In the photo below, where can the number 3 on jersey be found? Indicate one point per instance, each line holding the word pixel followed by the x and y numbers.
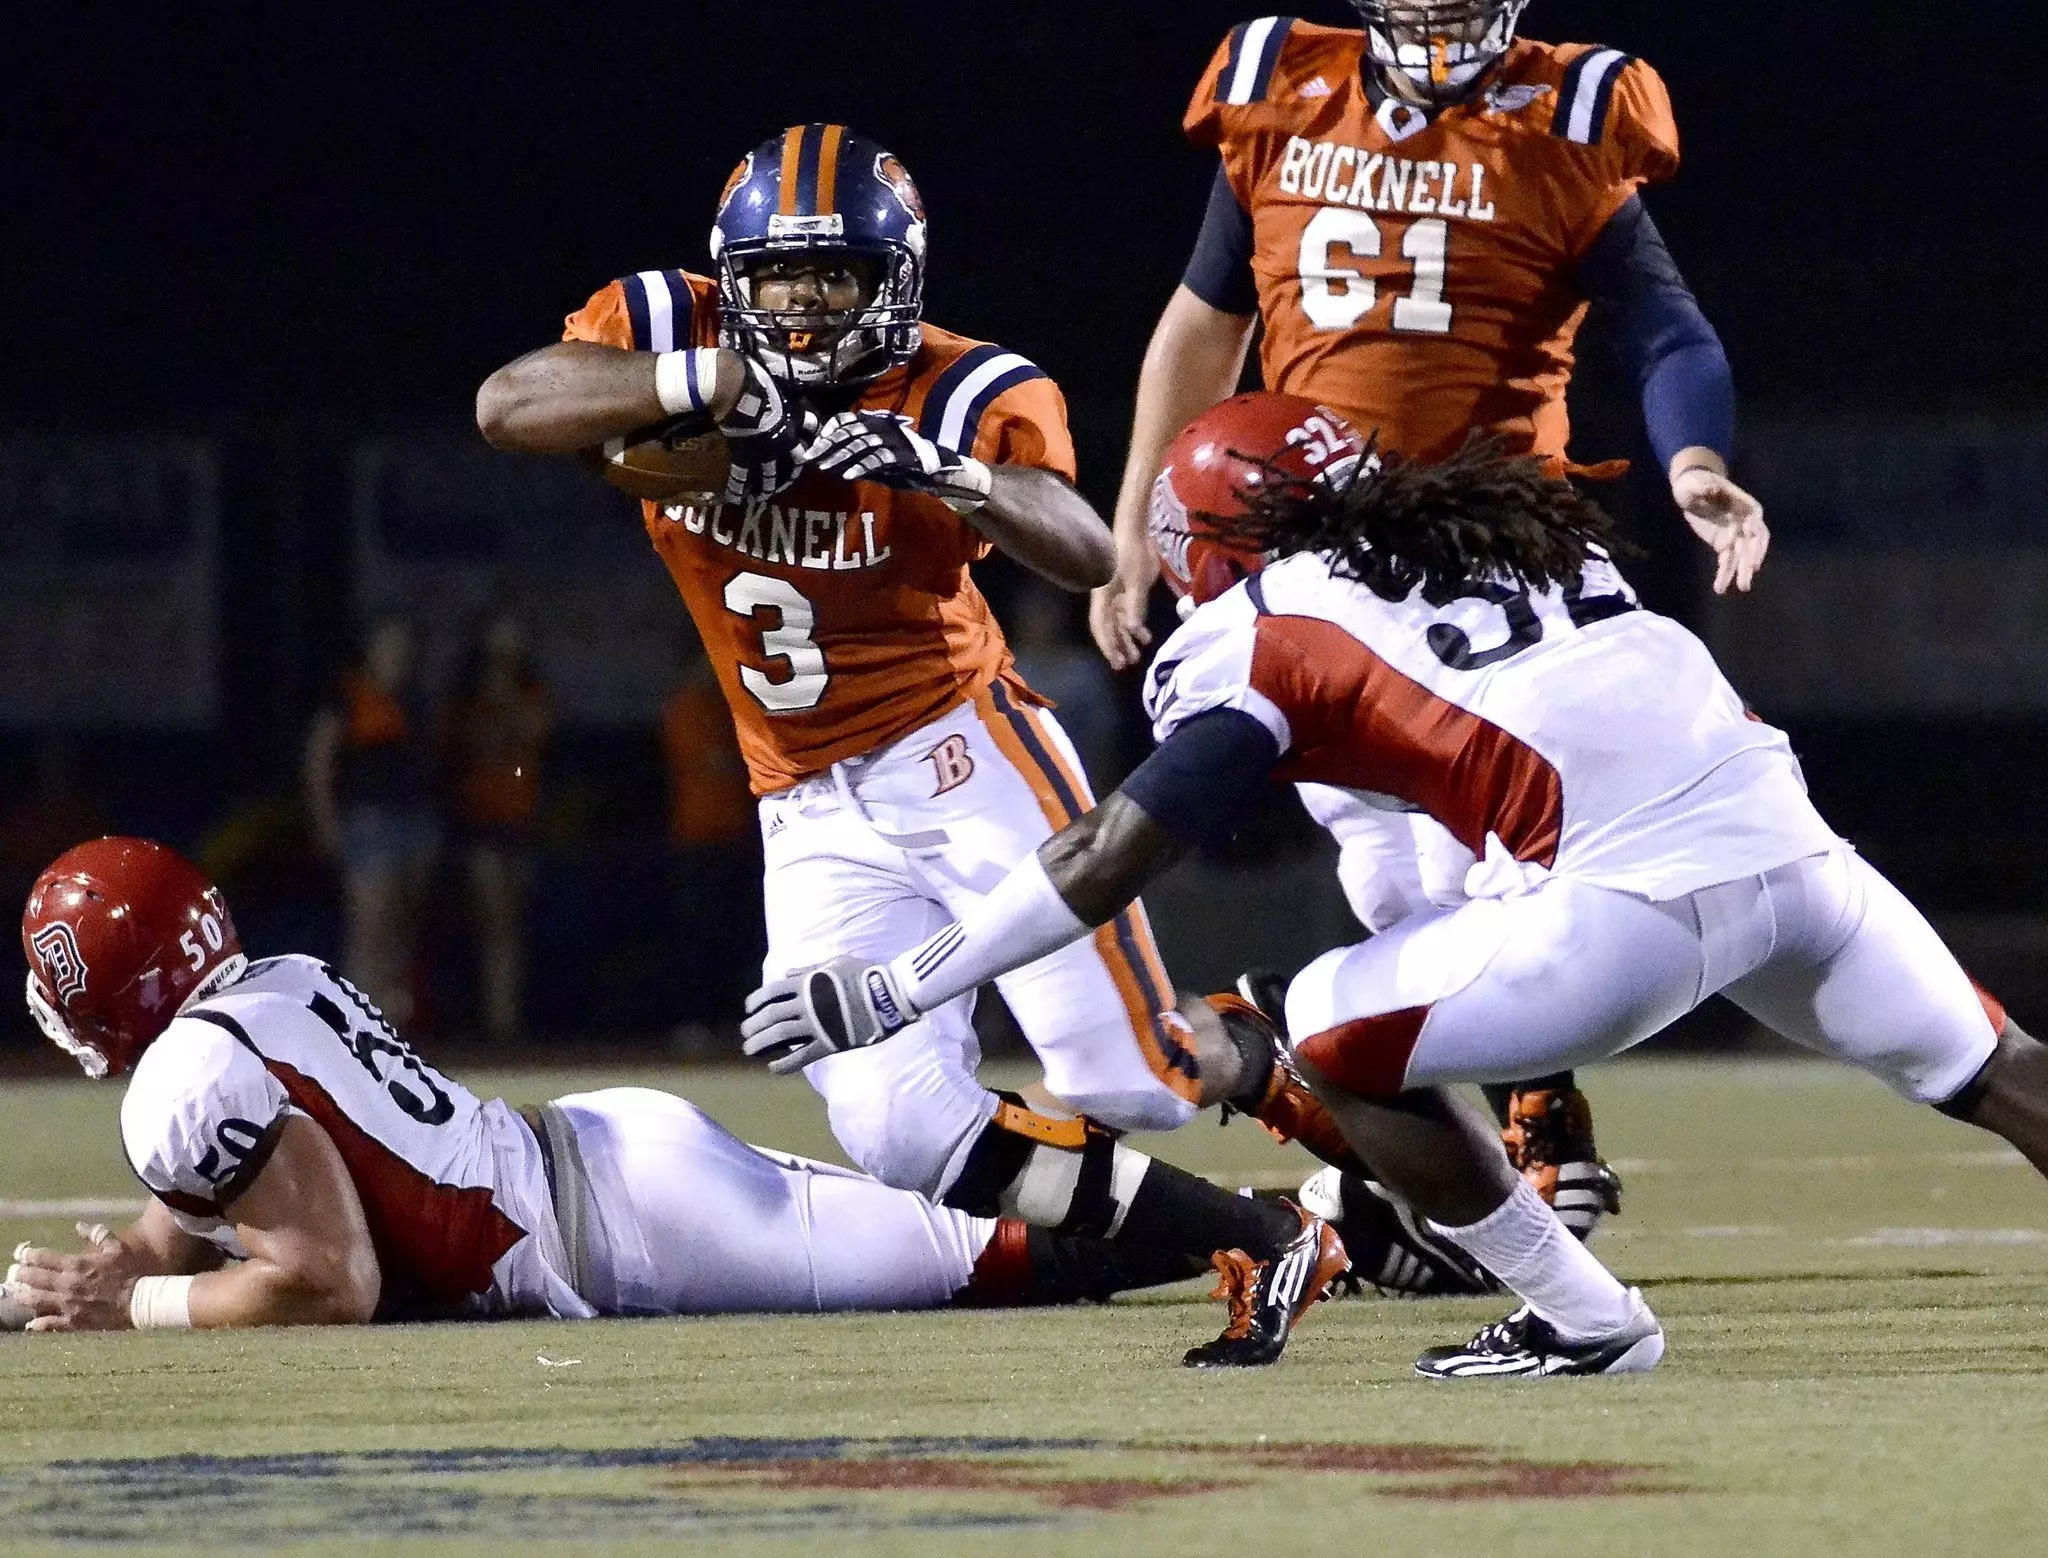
pixel 787 638
pixel 1426 246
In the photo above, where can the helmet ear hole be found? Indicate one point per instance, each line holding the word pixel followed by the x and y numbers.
pixel 1218 572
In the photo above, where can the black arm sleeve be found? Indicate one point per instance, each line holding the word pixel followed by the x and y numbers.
pixel 1220 270
pixel 1205 776
pixel 1670 349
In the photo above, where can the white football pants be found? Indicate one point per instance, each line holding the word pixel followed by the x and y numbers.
pixel 873 857
pixel 1824 951
pixel 688 1219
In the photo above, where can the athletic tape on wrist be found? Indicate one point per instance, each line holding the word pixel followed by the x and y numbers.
pixel 1023 920
pixel 686 381
pixel 161 1304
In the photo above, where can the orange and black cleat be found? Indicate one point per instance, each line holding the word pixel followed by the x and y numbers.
pixel 1267 1298
pixel 1549 1138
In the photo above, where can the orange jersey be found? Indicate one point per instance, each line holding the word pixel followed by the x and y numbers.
pixel 1415 271
pixel 840 615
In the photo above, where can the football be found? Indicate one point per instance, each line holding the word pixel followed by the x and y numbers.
pixel 672 462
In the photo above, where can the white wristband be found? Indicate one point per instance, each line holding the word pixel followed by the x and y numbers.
pixel 161 1304
pixel 1023 920
pixel 970 487
pixel 686 381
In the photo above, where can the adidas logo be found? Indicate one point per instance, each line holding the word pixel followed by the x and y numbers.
pixel 1290 1277
pixel 1316 88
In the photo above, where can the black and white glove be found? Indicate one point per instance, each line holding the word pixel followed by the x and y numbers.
pixel 837 1006
pixel 882 447
pixel 765 434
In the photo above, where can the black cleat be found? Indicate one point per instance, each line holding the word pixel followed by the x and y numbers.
pixel 1391 1248
pixel 1268 1298
pixel 1524 1346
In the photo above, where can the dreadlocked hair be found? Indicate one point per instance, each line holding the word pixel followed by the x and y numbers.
pixel 1480 515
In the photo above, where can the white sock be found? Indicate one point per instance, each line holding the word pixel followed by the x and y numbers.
pixel 1524 1245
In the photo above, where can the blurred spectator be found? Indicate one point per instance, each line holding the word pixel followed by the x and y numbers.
pixel 1053 654
pixel 493 734
pixel 52 814
pixel 714 854
pixel 369 796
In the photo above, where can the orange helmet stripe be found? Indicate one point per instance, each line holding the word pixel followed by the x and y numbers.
pixel 828 170
pixel 792 154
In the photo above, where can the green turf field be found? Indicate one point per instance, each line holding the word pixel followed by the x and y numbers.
pixel 1855 1294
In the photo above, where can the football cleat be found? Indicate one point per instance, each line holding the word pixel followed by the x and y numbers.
pixel 1285 1106
pixel 1267 1298
pixel 1549 1139
pixel 1525 1345
pixel 1391 1248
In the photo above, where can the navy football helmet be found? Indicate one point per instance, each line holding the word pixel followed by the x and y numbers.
pixel 820 189
pixel 1442 50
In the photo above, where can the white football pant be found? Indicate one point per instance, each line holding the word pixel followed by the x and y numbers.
pixel 688 1219
pixel 1824 951
pixel 873 857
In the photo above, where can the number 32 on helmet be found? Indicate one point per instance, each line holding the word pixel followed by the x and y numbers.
pixel 1219 463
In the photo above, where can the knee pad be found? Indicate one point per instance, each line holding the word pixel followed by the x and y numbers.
pixel 1067 1175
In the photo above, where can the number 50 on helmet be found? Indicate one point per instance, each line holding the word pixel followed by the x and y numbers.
pixel 1222 461
pixel 120 934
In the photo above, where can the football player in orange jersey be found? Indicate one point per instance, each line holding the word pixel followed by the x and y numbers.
pixel 903 767
pixel 1419 215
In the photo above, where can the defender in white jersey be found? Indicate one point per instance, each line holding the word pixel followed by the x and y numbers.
pixel 1451 639
pixel 306 1166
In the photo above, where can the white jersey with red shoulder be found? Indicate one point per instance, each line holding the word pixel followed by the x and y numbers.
pixel 1563 730
pixel 454 1189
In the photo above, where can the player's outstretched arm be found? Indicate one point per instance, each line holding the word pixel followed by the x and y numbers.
pixel 1687 385
pixel 573 394
pixel 1203 777
pixel 310 1258
pixel 1195 359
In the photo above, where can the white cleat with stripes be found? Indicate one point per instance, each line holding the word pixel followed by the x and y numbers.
pixel 1526 1346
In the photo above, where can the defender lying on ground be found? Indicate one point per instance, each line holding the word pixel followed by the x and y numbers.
pixel 307 1168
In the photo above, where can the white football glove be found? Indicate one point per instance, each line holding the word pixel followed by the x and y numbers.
pixel 887 449
pixel 837 1006
pixel 766 433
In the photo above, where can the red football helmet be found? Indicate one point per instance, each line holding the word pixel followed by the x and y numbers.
pixel 1222 459
pixel 119 934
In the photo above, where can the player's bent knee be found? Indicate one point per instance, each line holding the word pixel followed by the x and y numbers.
pixel 1368 1056
pixel 902 1150
pixel 1068 1175
pixel 1150 1109
pixel 1312 994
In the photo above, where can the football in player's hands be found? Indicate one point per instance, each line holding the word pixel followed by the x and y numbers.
pixel 682 460
pixel 767 432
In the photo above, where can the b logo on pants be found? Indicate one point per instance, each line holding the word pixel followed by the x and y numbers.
pixel 952 763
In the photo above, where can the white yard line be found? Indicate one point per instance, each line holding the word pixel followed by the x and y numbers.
pixel 88 1206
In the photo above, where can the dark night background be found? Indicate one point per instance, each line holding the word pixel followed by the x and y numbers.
pixel 281 228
